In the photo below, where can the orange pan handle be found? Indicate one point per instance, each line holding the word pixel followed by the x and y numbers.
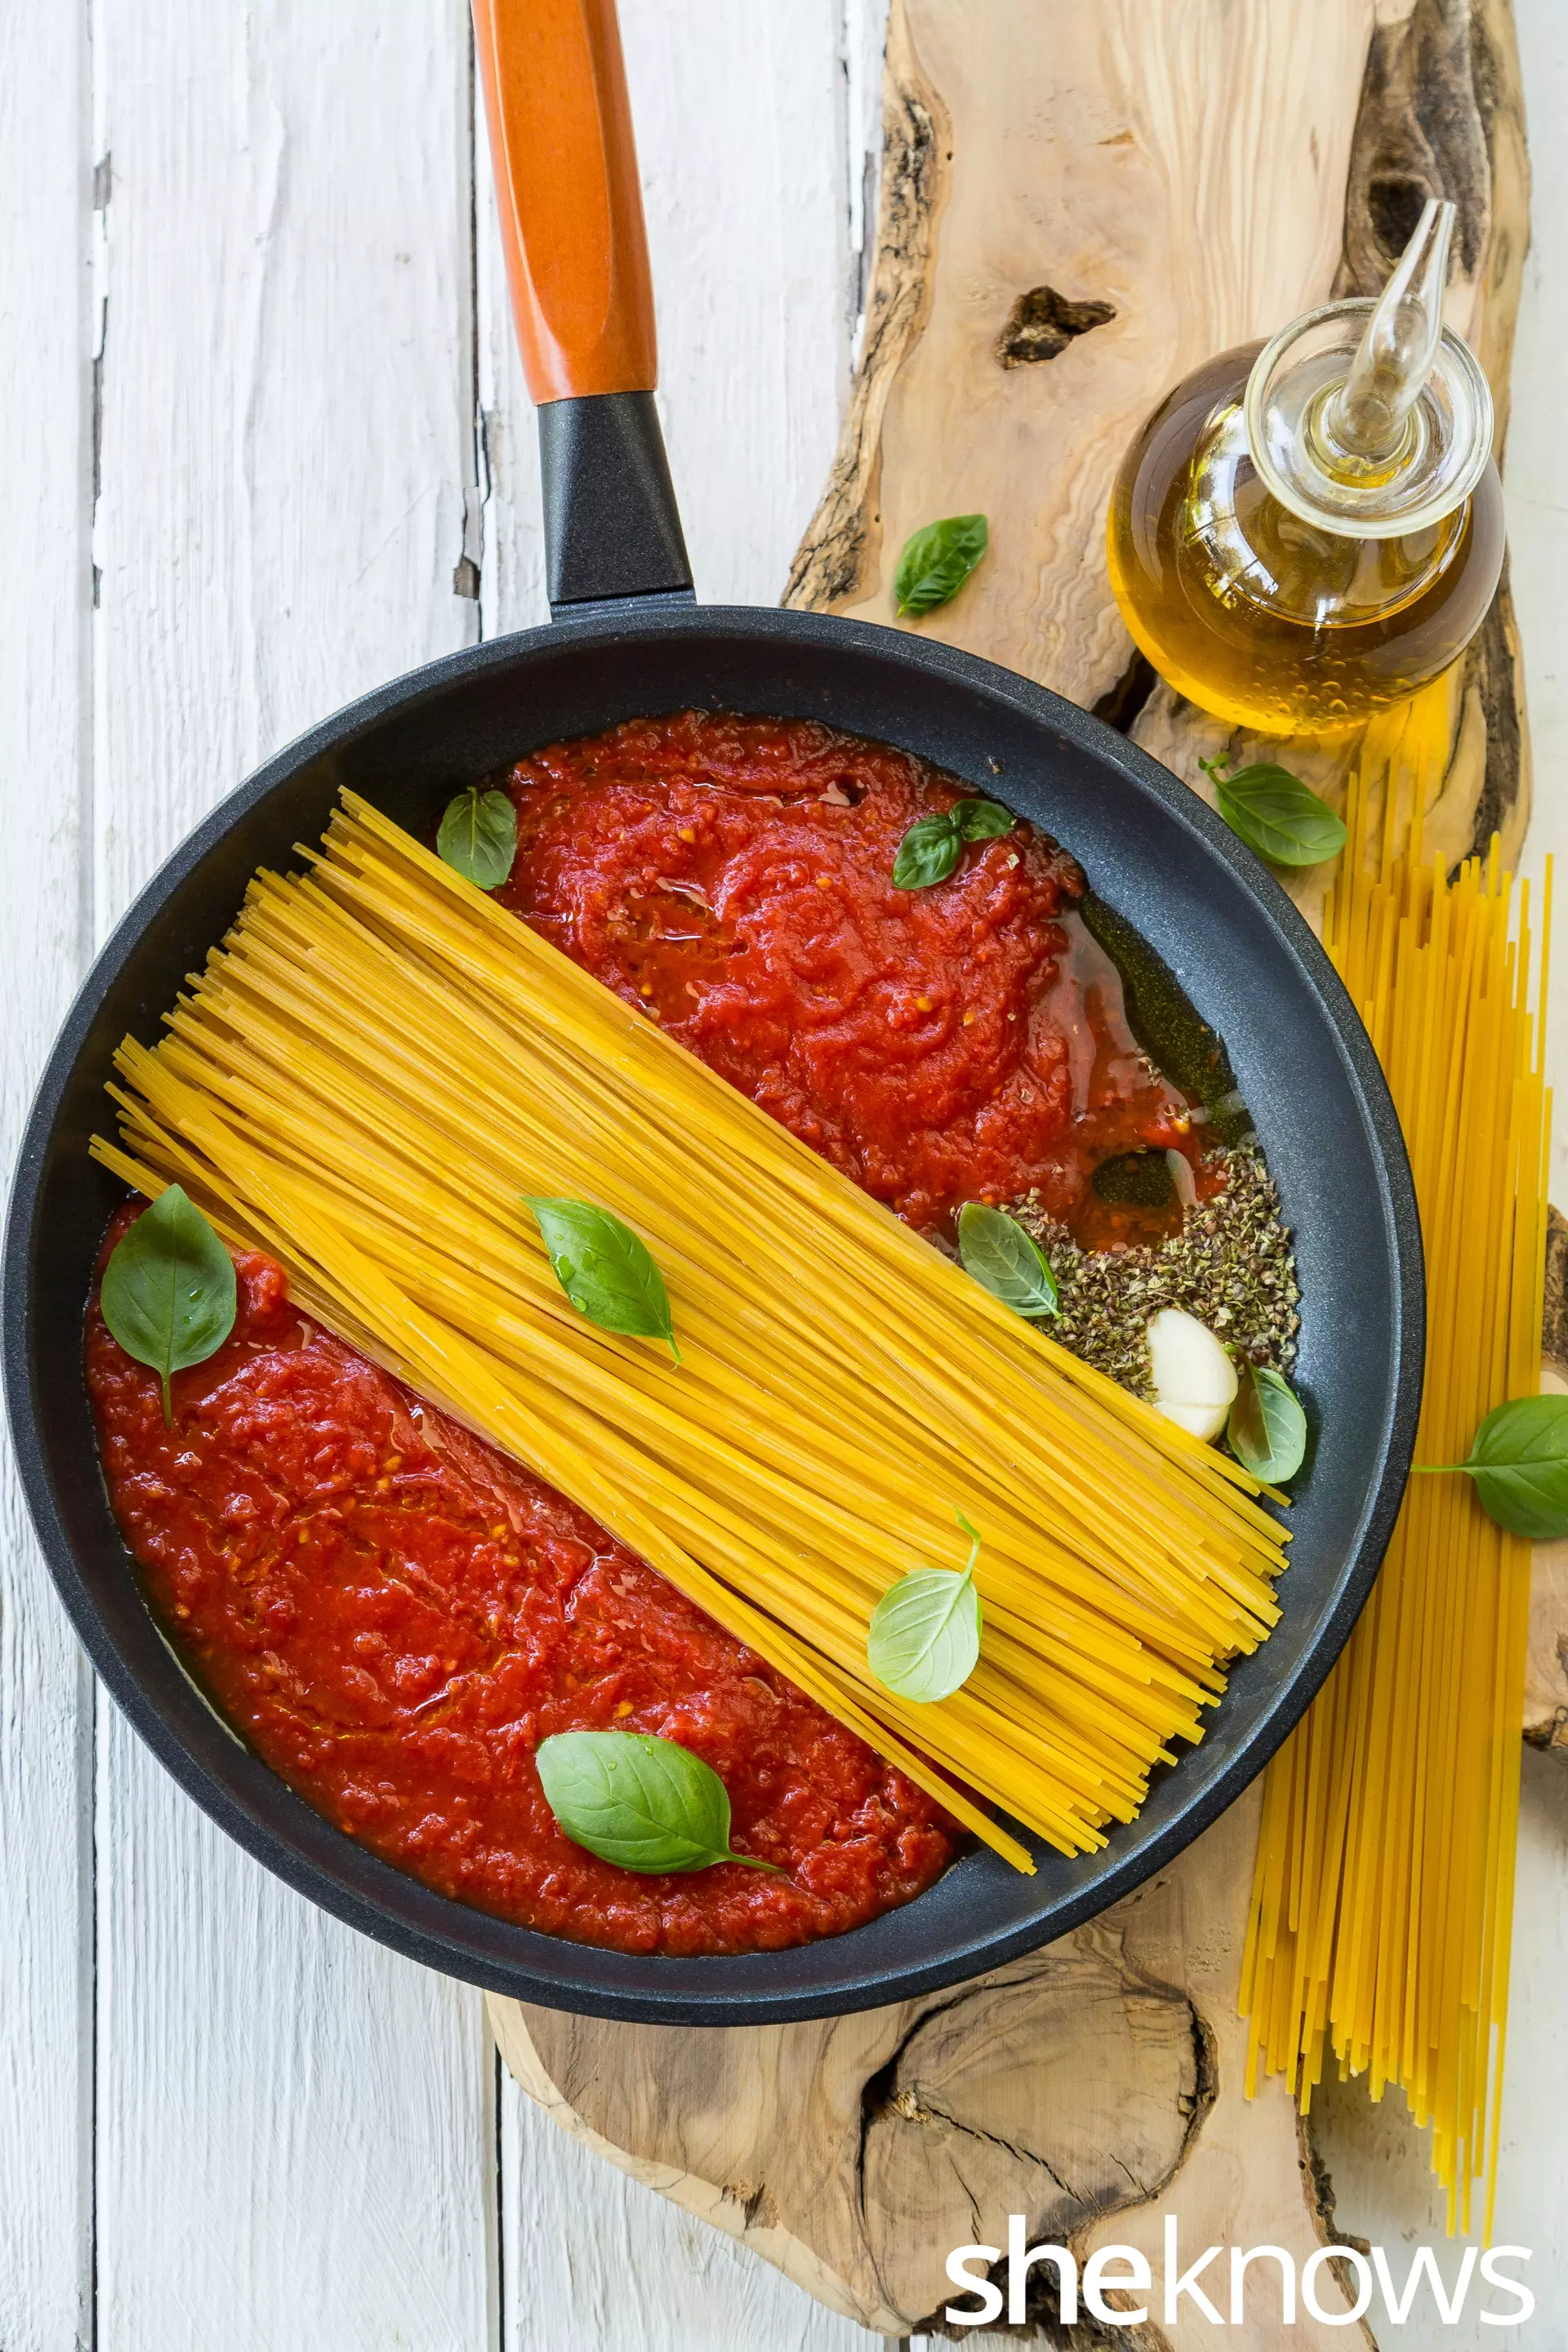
pixel 571 205
pixel 576 254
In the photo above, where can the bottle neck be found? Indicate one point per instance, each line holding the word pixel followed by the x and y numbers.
pixel 1337 449
pixel 1367 423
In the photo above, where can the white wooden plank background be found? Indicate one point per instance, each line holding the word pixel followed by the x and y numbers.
pixel 46 1841
pixel 223 2118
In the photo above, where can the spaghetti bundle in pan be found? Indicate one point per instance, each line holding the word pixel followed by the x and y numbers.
pixel 377 1075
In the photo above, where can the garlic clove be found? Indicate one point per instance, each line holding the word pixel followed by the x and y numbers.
pixel 1195 1379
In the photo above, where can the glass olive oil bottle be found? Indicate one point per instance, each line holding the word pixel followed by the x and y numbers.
pixel 1307 530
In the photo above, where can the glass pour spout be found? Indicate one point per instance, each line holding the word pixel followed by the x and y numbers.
pixel 1369 416
pixel 1371 419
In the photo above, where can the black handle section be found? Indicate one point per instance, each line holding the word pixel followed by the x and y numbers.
pixel 610 525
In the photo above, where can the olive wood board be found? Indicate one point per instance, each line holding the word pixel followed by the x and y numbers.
pixel 1080 201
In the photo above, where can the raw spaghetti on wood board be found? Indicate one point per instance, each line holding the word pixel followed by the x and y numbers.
pixel 1382 1903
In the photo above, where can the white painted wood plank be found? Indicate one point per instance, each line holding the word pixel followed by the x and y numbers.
pixel 295 2132
pixel 512 536
pixel 741 138
pixel 745 140
pixel 865 47
pixel 286 440
pixel 741 132
pixel 592 2262
pixel 46 1849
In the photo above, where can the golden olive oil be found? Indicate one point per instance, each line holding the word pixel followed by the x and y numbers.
pixel 1291 629
pixel 1308 530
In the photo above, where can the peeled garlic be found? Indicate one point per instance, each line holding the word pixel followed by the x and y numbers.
pixel 1195 1379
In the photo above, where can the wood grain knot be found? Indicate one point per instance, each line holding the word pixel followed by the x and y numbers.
pixel 1395 201
pixel 1066 2087
pixel 1042 323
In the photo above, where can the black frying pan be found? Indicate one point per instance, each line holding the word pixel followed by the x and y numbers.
pixel 627 640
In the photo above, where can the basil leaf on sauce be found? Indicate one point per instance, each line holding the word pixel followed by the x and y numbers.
pixel 168 1293
pixel 981 820
pixel 1275 814
pixel 937 561
pixel 929 850
pixel 638 1801
pixel 479 837
pixel 1008 1261
pixel 1519 1461
pixel 927 854
pixel 605 1270
pixel 924 1637
pixel 1267 1429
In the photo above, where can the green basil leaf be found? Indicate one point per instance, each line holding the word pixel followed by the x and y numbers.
pixel 924 1637
pixel 997 1251
pixel 981 820
pixel 1267 1429
pixel 1518 1460
pixel 168 1294
pixel 937 561
pixel 479 837
pixel 927 854
pixel 638 1801
pixel 605 1270
pixel 1276 815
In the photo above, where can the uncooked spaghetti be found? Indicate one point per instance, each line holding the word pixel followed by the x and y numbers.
pixel 376 1068
pixel 1382 1897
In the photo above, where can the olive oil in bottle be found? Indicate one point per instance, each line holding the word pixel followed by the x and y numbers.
pixel 1308 530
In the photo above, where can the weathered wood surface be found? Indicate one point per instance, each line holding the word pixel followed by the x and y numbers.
pixel 1546 1673
pixel 1074 212
pixel 1091 2088
pixel 1200 174
pixel 1441 114
pixel 1147 161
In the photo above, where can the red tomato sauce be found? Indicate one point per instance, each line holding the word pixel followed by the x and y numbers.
pixel 733 876
pixel 395 1615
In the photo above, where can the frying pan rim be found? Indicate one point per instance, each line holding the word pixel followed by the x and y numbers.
pixel 571 1983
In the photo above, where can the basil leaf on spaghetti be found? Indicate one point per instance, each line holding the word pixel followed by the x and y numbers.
pixel 478 838
pixel 924 1637
pixel 607 1270
pixel 937 561
pixel 638 1801
pixel 1519 1462
pixel 1276 813
pixel 1267 1428
pixel 168 1294
pixel 1005 1259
